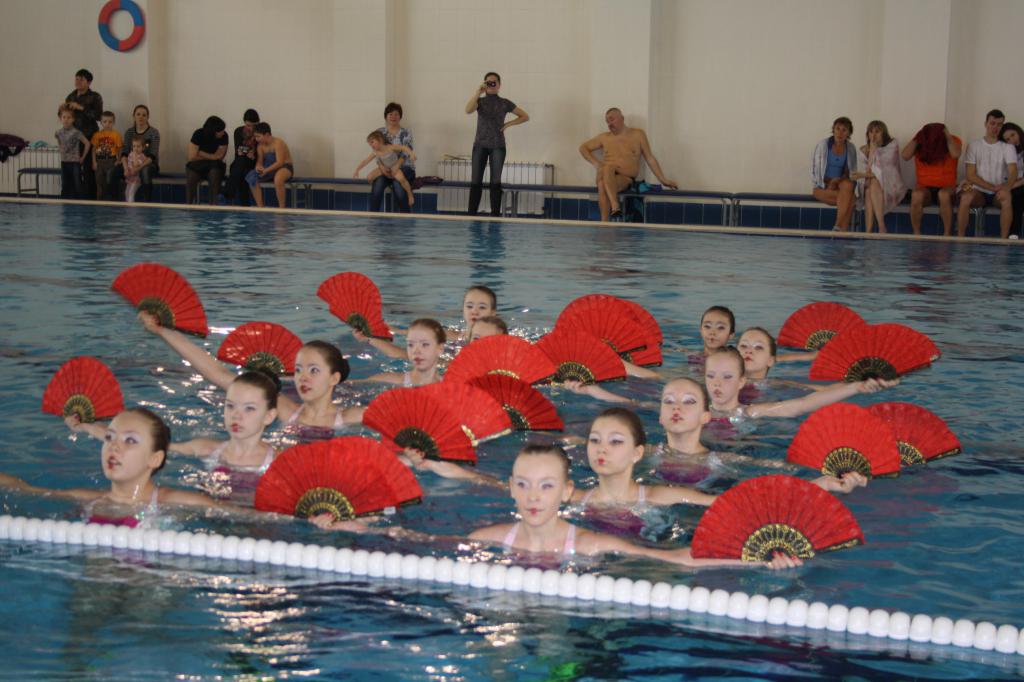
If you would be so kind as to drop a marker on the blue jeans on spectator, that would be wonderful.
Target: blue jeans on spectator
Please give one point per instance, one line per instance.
(399, 201)
(115, 181)
(480, 158)
(70, 180)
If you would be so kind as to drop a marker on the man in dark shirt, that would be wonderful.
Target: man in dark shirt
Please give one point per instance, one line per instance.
(87, 106)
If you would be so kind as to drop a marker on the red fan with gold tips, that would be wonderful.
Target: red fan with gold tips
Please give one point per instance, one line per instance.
(346, 477)
(83, 386)
(162, 292)
(841, 438)
(581, 357)
(606, 317)
(646, 357)
(410, 419)
(528, 408)
(261, 345)
(500, 354)
(814, 325)
(759, 517)
(355, 300)
(882, 351)
(921, 435)
(482, 417)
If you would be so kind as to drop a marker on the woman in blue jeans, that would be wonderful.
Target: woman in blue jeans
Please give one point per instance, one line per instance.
(489, 144)
(395, 134)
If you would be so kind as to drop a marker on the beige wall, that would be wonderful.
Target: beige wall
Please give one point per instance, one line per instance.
(734, 93)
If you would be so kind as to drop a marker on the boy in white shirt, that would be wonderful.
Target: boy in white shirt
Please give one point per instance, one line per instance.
(991, 167)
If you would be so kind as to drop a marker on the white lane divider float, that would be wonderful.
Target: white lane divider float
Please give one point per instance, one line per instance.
(757, 608)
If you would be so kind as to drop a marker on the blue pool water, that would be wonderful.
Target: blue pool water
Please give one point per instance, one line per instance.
(946, 539)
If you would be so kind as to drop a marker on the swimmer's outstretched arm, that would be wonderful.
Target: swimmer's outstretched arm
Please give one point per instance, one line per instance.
(600, 543)
(813, 401)
(417, 460)
(13, 483)
(386, 347)
(97, 430)
(640, 372)
(808, 356)
(678, 494)
(844, 484)
(197, 447)
(203, 362)
(595, 391)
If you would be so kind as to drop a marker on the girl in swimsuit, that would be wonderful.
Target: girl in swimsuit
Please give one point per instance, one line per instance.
(389, 158)
(725, 374)
(760, 353)
(540, 485)
(135, 446)
(319, 367)
(424, 344)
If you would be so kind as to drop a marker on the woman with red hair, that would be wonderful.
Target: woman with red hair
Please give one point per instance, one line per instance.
(935, 152)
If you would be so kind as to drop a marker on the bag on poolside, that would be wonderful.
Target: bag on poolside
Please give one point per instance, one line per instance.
(10, 145)
(422, 180)
(83, 386)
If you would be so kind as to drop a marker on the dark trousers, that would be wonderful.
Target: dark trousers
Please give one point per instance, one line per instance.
(481, 155)
(203, 169)
(1017, 196)
(236, 186)
(400, 202)
(115, 181)
(102, 173)
(70, 180)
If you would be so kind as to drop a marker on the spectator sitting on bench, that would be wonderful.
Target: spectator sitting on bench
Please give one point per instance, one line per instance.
(935, 151)
(622, 149)
(150, 137)
(395, 134)
(991, 167)
(273, 164)
(133, 164)
(883, 184)
(833, 162)
(390, 158)
(1012, 134)
(106, 148)
(245, 159)
(206, 152)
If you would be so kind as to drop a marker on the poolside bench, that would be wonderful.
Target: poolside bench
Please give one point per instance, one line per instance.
(34, 172)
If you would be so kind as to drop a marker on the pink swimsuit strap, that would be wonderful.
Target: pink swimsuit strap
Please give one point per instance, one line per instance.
(130, 521)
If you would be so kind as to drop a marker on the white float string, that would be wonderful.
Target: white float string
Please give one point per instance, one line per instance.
(897, 625)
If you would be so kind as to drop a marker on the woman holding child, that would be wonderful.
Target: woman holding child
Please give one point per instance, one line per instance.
(395, 134)
(151, 148)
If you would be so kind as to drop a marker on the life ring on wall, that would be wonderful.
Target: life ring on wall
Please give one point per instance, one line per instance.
(138, 20)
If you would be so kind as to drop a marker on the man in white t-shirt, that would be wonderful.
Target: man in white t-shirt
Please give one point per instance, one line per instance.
(991, 166)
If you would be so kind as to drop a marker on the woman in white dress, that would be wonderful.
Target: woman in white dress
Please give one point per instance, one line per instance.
(883, 187)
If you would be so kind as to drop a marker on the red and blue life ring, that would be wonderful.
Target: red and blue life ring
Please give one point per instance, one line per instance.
(138, 20)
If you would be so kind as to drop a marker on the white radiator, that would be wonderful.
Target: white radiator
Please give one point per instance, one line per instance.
(31, 157)
(514, 172)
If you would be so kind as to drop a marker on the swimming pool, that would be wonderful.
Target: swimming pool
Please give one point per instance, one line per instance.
(944, 540)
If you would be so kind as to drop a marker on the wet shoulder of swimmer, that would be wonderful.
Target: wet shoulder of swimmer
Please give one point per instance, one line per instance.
(424, 345)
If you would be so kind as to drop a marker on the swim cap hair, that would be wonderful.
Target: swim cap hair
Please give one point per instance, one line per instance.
(432, 325)
(487, 291)
(630, 419)
(496, 321)
(264, 380)
(772, 346)
(332, 356)
(733, 353)
(701, 389)
(548, 449)
(725, 311)
(158, 431)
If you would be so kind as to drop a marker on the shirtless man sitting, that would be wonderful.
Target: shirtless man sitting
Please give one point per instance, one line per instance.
(273, 164)
(622, 149)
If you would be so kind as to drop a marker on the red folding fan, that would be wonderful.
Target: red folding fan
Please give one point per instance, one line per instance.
(758, 517)
(346, 477)
(83, 386)
(261, 345)
(883, 351)
(606, 317)
(355, 300)
(652, 330)
(812, 326)
(647, 357)
(500, 354)
(921, 435)
(164, 293)
(482, 417)
(843, 437)
(581, 357)
(410, 419)
(527, 407)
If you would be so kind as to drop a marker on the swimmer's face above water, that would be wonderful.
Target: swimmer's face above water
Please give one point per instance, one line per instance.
(128, 453)
(683, 408)
(611, 448)
(476, 304)
(313, 375)
(724, 378)
(423, 348)
(481, 330)
(715, 330)
(539, 486)
(246, 412)
(755, 348)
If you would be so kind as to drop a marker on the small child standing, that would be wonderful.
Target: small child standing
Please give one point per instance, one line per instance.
(106, 147)
(71, 155)
(389, 161)
(133, 163)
